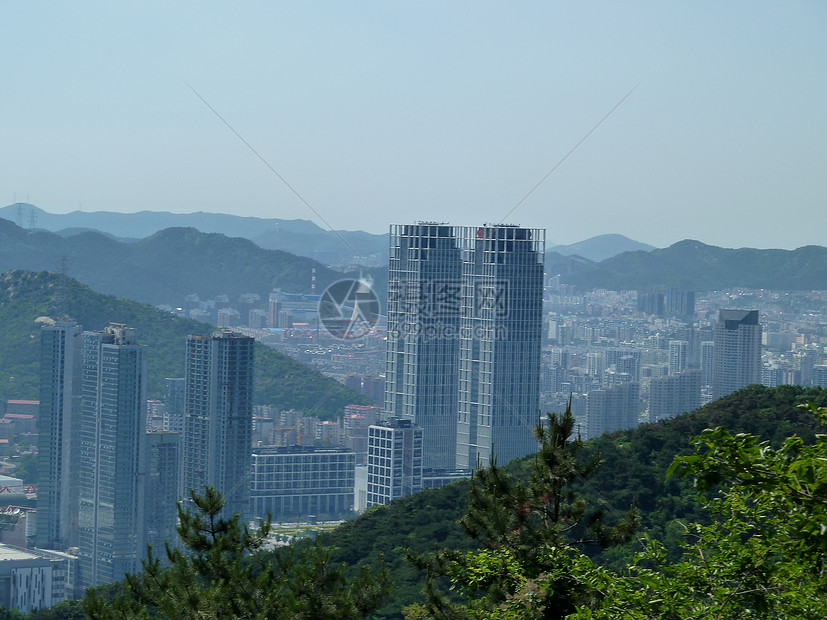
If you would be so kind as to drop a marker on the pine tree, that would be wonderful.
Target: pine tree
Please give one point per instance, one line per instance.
(216, 574)
(533, 533)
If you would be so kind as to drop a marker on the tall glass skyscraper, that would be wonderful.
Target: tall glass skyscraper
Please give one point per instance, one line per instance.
(464, 339)
(424, 304)
(218, 405)
(57, 427)
(112, 455)
(500, 343)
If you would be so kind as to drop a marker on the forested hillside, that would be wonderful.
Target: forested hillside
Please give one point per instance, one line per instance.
(697, 266)
(633, 472)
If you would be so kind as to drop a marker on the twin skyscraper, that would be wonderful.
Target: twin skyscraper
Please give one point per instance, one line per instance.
(464, 339)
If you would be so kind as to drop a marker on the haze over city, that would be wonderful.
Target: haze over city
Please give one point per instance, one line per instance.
(451, 111)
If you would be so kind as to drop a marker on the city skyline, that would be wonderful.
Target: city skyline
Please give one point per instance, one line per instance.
(429, 108)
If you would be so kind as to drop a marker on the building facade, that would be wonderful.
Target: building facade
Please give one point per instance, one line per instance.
(219, 417)
(736, 360)
(613, 408)
(674, 394)
(500, 342)
(395, 456)
(424, 288)
(162, 473)
(296, 482)
(58, 436)
(112, 455)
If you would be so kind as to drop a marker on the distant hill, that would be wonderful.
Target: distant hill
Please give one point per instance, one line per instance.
(697, 266)
(25, 296)
(633, 471)
(300, 237)
(168, 265)
(601, 247)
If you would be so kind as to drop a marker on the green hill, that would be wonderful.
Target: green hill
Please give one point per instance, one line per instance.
(634, 470)
(694, 265)
(25, 296)
(168, 265)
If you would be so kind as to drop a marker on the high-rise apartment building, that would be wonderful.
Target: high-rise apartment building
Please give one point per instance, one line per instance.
(424, 305)
(674, 394)
(678, 352)
(58, 435)
(737, 351)
(395, 455)
(219, 417)
(112, 455)
(612, 408)
(161, 496)
(707, 360)
(500, 341)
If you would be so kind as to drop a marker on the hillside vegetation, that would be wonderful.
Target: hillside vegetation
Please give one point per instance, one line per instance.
(25, 296)
(696, 266)
(633, 473)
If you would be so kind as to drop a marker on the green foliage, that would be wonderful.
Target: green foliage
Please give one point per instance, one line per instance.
(25, 296)
(634, 472)
(533, 530)
(763, 555)
(220, 575)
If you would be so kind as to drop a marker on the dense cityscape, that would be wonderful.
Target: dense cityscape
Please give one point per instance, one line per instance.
(476, 342)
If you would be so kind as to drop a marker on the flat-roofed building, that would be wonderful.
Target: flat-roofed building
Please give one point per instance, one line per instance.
(294, 483)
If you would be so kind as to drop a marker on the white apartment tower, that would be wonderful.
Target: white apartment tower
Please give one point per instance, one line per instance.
(395, 456)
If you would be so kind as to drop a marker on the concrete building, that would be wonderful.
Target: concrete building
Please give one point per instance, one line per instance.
(162, 488)
(737, 351)
(174, 404)
(674, 394)
(297, 482)
(424, 304)
(707, 360)
(219, 417)
(394, 460)
(32, 579)
(112, 455)
(58, 428)
(612, 408)
(500, 341)
(678, 351)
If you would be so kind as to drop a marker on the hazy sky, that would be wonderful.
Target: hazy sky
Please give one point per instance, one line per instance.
(381, 112)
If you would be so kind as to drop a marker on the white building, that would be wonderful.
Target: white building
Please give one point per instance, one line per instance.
(394, 460)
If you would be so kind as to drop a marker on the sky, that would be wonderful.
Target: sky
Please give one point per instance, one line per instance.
(387, 112)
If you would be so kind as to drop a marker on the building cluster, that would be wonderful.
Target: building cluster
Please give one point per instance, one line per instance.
(477, 343)
(109, 480)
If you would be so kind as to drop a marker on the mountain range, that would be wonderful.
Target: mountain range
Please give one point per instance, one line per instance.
(299, 237)
(696, 266)
(601, 247)
(168, 265)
